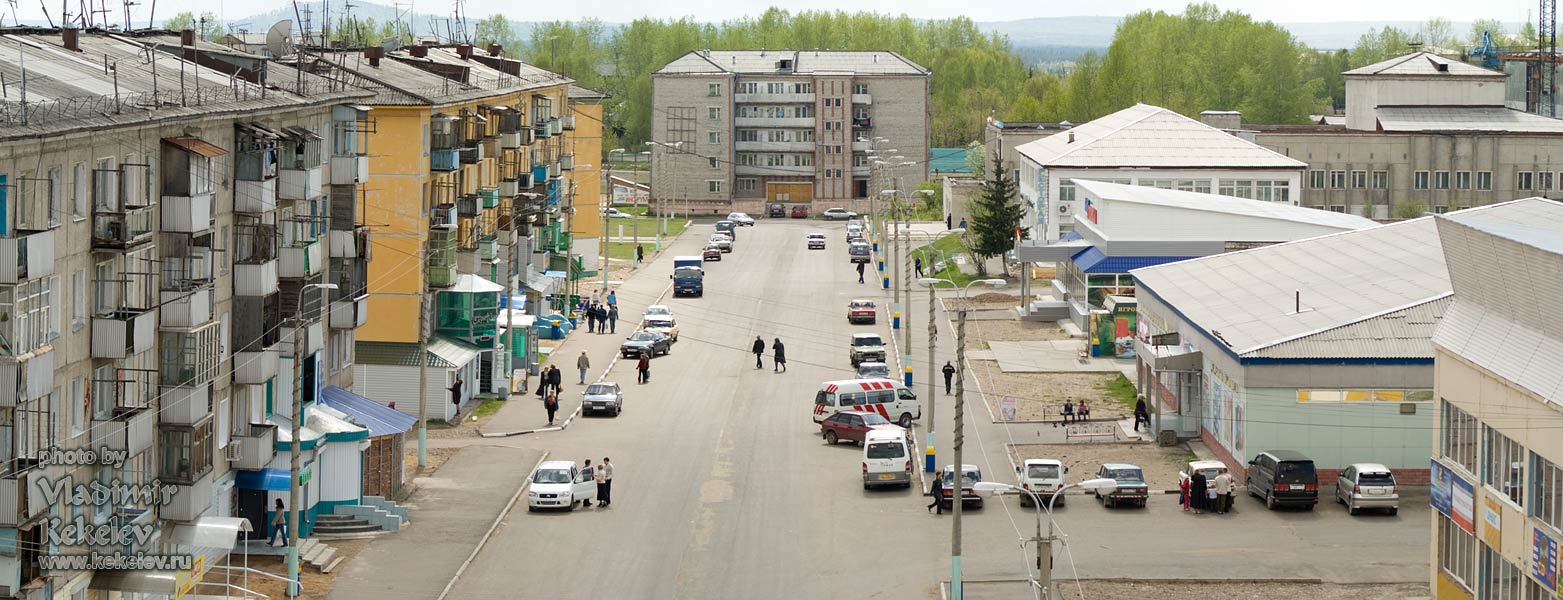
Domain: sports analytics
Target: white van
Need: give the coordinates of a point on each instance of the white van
(887, 459)
(1042, 476)
(888, 397)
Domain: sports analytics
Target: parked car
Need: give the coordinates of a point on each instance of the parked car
(800, 212)
(711, 252)
(854, 425)
(662, 324)
(603, 396)
(1131, 485)
(559, 484)
(657, 309)
(866, 347)
(614, 213)
(728, 227)
(887, 459)
(1283, 477)
(816, 241)
(1211, 468)
(837, 214)
(721, 241)
(741, 218)
(854, 231)
(1367, 485)
(861, 311)
(645, 341)
(873, 370)
(776, 211)
(1042, 476)
(970, 476)
(858, 252)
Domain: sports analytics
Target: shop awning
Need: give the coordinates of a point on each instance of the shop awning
(467, 283)
(1169, 358)
(377, 417)
(1093, 260)
(455, 354)
(197, 146)
(271, 480)
(209, 539)
(1055, 252)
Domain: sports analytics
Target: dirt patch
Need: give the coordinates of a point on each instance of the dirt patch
(1248, 591)
(1161, 465)
(979, 333)
(316, 584)
(1040, 396)
(437, 458)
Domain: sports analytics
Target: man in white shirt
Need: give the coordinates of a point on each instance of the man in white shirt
(1224, 486)
(604, 483)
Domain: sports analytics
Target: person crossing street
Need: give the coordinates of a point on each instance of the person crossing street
(779, 356)
(949, 376)
(759, 350)
(583, 364)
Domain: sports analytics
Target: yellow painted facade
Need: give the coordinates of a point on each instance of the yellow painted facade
(587, 143)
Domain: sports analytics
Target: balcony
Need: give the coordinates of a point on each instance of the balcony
(26, 257)
(555, 126)
(255, 278)
(467, 205)
(353, 243)
(541, 131)
(256, 325)
(442, 258)
(516, 140)
(862, 99)
(187, 214)
(186, 308)
(489, 197)
(184, 405)
(775, 146)
(567, 123)
(349, 170)
(762, 98)
(862, 123)
(21, 492)
(314, 337)
(123, 230)
(448, 159)
(350, 313)
(189, 356)
(254, 196)
(189, 501)
(123, 333)
(553, 170)
(539, 174)
(257, 447)
(488, 249)
(443, 217)
(567, 162)
(862, 146)
(130, 430)
(255, 367)
(807, 122)
(510, 187)
(777, 170)
(300, 184)
(471, 155)
(32, 373)
(301, 260)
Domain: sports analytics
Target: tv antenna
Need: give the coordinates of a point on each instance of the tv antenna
(277, 39)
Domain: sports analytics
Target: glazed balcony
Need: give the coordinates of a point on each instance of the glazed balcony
(567, 123)
(26, 257)
(774, 122)
(765, 98)
(189, 356)
(443, 217)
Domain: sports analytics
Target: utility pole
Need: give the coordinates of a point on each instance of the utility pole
(956, 588)
(423, 355)
(295, 584)
(635, 221)
(933, 335)
(906, 289)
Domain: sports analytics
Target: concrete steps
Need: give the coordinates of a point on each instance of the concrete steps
(339, 524)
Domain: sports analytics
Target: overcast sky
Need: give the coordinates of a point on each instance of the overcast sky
(980, 10)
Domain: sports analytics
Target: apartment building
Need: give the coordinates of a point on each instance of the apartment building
(586, 108)
(1497, 488)
(737, 129)
(471, 153)
(140, 179)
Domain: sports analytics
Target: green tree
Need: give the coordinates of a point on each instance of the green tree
(495, 29)
(1409, 209)
(206, 25)
(1379, 45)
(974, 152)
(995, 217)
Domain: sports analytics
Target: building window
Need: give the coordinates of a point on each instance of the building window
(714, 186)
(1503, 465)
(1340, 208)
(1316, 179)
(1359, 179)
(860, 88)
(78, 300)
(748, 184)
(1381, 180)
(714, 137)
(1419, 180)
(32, 322)
(55, 189)
(713, 89)
(713, 113)
(1441, 180)
(1194, 185)
(1546, 491)
(712, 160)
(186, 452)
(1484, 180)
(1337, 179)
(1462, 180)
(1501, 580)
(1456, 551)
(1458, 435)
(1523, 180)
(1393, 395)
(1544, 181)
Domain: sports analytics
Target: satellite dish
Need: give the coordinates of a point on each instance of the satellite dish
(277, 38)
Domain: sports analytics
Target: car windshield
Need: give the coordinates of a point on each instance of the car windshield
(551, 476)
(641, 336)
(657, 310)
(599, 389)
(816, 236)
(862, 304)
(682, 272)
(1042, 471)
(872, 420)
(885, 450)
(1375, 479)
(1123, 475)
(867, 340)
(659, 323)
(969, 477)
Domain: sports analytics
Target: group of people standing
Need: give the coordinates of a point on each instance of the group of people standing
(603, 475)
(1201, 494)
(778, 354)
(602, 315)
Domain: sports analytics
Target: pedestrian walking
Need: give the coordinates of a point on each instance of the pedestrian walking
(861, 267)
(583, 364)
(778, 355)
(602, 319)
(1198, 486)
(640, 254)
(1183, 490)
(963, 222)
(759, 350)
(551, 404)
(613, 299)
(591, 318)
(917, 263)
(1224, 487)
(643, 367)
(947, 225)
(1141, 414)
(279, 525)
(937, 491)
(555, 378)
(613, 318)
(606, 497)
(949, 376)
(601, 477)
(588, 472)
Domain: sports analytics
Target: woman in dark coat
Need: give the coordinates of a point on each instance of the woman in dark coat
(551, 404)
(778, 355)
(1197, 487)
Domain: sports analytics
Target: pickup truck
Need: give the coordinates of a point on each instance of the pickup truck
(688, 277)
(866, 347)
(1131, 485)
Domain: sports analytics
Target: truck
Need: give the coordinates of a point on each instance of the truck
(688, 277)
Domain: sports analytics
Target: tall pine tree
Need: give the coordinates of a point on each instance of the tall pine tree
(995, 215)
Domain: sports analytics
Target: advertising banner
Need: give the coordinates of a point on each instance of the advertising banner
(1492, 516)
(1453, 496)
(1544, 558)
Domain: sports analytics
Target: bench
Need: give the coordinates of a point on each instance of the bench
(1091, 431)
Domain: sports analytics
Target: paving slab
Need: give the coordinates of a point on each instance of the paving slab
(1051, 356)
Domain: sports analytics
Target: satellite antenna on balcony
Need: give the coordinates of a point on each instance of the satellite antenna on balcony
(277, 38)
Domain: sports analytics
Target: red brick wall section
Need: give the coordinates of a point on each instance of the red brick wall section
(1239, 469)
(1327, 477)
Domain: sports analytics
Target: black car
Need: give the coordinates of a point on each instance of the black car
(642, 341)
(776, 211)
(1283, 478)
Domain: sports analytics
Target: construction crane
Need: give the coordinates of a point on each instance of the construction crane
(1547, 31)
(1487, 53)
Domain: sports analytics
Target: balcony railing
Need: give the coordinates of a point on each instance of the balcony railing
(862, 123)
(187, 214)
(350, 313)
(773, 122)
(32, 374)
(444, 160)
(443, 217)
(567, 162)
(767, 98)
(349, 170)
(353, 243)
(189, 501)
(186, 308)
(471, 155)
(257, 446)
(489, 197)
(130, 430)
(123, 230)
(123, 333)
(862, 99)
(442, 258)
(300, 184)
(301, 260)
(567, 123)
(256, 367)
(255, 196)
(26, 257)
(189, 356)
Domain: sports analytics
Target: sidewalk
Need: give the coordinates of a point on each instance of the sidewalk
(451, 513)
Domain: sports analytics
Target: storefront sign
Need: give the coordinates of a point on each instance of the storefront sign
(1544, 558)
(1453, 496)
(1492, 517)
(1007, 408)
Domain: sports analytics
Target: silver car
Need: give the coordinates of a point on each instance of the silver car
(1367, 485)
(603, 396)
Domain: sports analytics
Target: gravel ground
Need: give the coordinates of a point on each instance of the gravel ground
(979, 333)
(1247, 591)
(1160, 464)
(1040, 396)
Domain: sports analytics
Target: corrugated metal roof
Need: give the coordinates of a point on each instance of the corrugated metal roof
(1464, 118)
(1093, 260)
(1261, 221)
(1406, 333)
(1149, 136)
(1425, 64)
(197, 145)
(379, 419)
(443, 353)
(398, 81)
(809, 62)
(1249, 298)
(584, 93)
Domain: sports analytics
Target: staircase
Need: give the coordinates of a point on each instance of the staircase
(318, 555)
(344, 526)
(374, 516)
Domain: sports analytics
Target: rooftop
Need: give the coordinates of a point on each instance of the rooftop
(1464, 118)
(1250, 300)
(582, 93)
(1149, 136)
(404, 79)
(767, 62)
(1199, 216)
(1425, 64)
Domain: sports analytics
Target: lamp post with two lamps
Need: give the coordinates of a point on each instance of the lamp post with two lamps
(1043, 584)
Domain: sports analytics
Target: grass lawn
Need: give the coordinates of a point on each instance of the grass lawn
(488, 407)
(648, 235)
(1122, 391)
(944, 248)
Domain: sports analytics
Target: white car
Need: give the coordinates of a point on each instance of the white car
(1042, 476)
(658, 309)
(887, 458)
(559, 484)
(662, 324)
(614, 213)
(603, 396)
(741, 219)
(838, 214)
(816, 241)
(723, 241)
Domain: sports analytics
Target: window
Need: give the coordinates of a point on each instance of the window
(1337, 179)
(1546, 491)
(1523, 180)
(1462, 180)
(30, 305)
(748, 135)
(1359, 179)
(1503, 465)
(1345, 395)
(79, 191)
(1194, 185)
(1458, 435)
(1242, 188)
(775, 88)
(713, 89)
(1419, 180)
(748, 184)
(1381, 180)
(78, 300)
(749, 87)
(713, 113)
(1316, 179)
(186, 452)
(1544, 181)
(1456, 551)
(714, 186)
(1340, 208)
(1501, 580)
(1484, 180)
(714, 137)
(1441, 180)
(54, 188)
(712, 160)
(78, 402)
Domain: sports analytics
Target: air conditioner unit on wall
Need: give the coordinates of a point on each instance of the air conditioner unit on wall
(234, 450)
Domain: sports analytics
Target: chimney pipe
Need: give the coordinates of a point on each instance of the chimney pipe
(1071, 137)
(69, 37)
(374, 54)
(495, 49)
(187, 37)
(464, 51)
(418, 51)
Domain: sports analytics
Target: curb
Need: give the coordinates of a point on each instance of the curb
(491, 529)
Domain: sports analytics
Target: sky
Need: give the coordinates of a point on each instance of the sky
(978, 10)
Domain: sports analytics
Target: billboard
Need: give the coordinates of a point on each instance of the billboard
(1453, 496)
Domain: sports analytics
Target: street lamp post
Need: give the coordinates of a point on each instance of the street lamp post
(906, 285)
(930, 464)
(605, 207)
(300, 329)
(1043, 584)
(960, 419)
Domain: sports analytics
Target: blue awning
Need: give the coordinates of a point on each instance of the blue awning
(1071, 236)
(378, 418)
(271, 480)
(1093, 260)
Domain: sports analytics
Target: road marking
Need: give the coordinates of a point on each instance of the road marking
(491, 528)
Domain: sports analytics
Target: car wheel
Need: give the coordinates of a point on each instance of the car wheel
(1394, 511)
(830, 438)
(1270, 501)
(1352, 510)
(530, 508)
(572, 505)
(905, 421)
